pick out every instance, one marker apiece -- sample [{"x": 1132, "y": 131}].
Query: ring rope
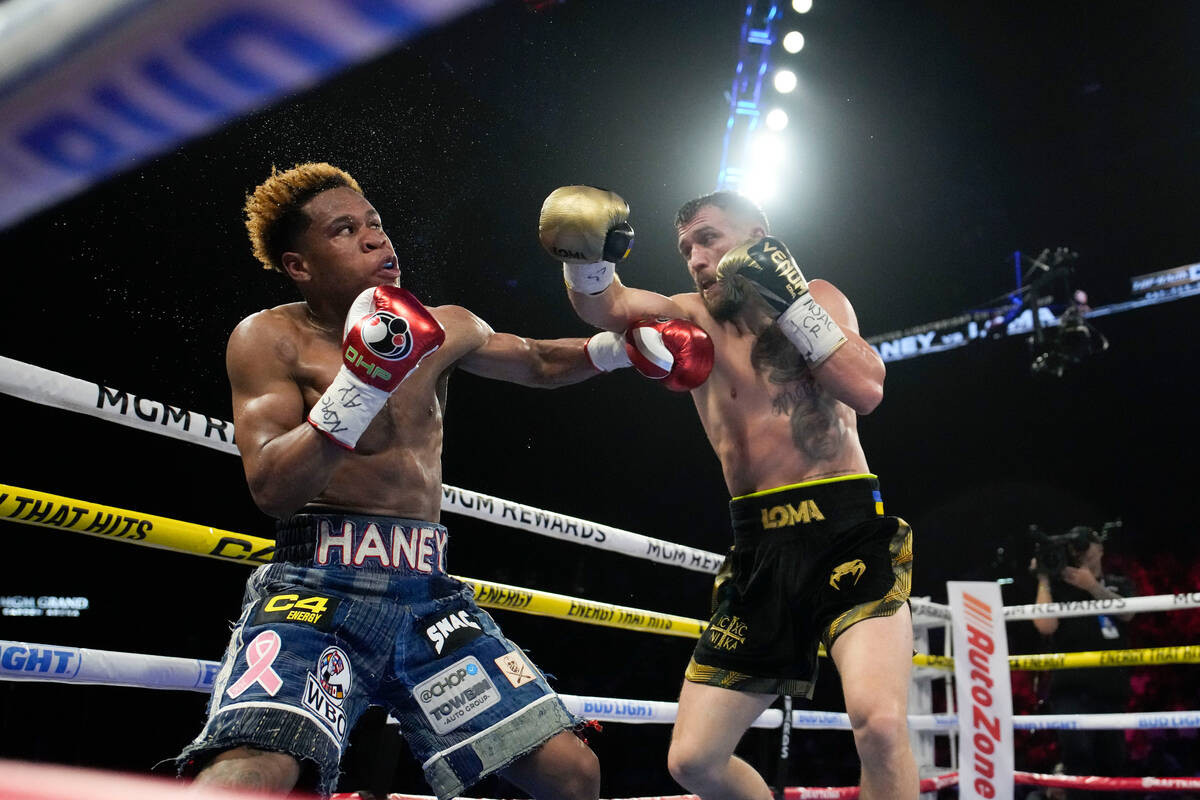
[
  {"x": 1037, "y": 662},
  {"x": 45, "y": 387},
  {"x": 1121, "y": 605},
  {"x": 32, "y": 507},
  {"x": 25, "y": 661},
  {"x": 54, "y": 511}
]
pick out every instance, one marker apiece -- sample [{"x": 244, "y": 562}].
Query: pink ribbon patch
[{"x": 260, "y": 655}]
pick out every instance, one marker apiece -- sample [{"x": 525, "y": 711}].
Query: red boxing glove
[
  {"x": 675, "y": 351},
  {"x": 387, "y": 333}
]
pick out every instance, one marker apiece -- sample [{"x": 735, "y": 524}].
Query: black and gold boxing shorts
[{"x": 808, "y": 561}]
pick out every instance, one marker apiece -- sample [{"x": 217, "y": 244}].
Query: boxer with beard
[{"x": 814, "y": 559}]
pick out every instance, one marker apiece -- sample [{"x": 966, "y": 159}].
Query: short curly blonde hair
[{"x": 274, "y": 211}]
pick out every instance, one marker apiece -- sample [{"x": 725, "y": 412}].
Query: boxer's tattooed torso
[{"x": 817, "y": 430}]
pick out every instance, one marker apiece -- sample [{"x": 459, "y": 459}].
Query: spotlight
[
  {"x": 802, "y": 6},
  {"x": 793, "y": 42},
  {"x": 785, "y": 81},
  {"x": 760, "y": 185},
  {"x": 766, "y": 151},
  {"x": 777, "y": 119}
]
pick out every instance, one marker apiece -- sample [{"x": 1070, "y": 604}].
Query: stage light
[
  {"x": 760, "y": 186},
  {"x": 777, "y": 119},
  {"x": 802, "y": 6},
  {"x": 793, "y": 41},
  {"x": 785, "y": 81},
  {"x": 766, "y": 151}
]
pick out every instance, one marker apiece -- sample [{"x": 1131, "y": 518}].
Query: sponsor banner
[
  {"x": 455, "y": 695},
  {"x": 498, "y": 595},
  {"x": 1120, "y": 605},
  {"x": 984, "y": 691},
  {"x": 1156, "y": 720},
  {"x": 43, "y": 606},
  {"x": 54, "y": 389},
  {"x": 1165, "y": 280},
  {"x": 1183, "y": 654},
  {"x": 85, "y": 95},
  {"x": 997, "y": 323},
  {"x": 25, "y": 661},
  {"x": 48, "y": 388},
  {"x": 31, "y": 507},
  {"x": 43, "y": 662},
  {"x": 561, "y": 526}
]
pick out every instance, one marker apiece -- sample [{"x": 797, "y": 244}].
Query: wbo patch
[
  {"x": 516, "y": 669},
  {"x": 455, "y": 695},
  {"x": 449, "y": 631},
  {"x": 307, "y": 608}
]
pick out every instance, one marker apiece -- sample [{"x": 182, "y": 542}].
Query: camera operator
[{"x": 1070, "y": 570}]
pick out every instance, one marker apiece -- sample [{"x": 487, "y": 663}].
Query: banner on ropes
[
  {"x": 90, "y": 88},
  {"x": 983, "y": 690}
]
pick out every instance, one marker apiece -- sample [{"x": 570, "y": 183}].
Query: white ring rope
[
  {"x": 1119, "y": 605},
  {"x": 24, "y": 661},
  {"x": 45, "y": 387}
]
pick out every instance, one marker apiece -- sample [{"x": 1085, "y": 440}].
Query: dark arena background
[{"x": 937, "y": 154}]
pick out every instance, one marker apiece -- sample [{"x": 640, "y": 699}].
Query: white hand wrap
[
  {"x": 346, "y": 408},
  {"x": 808, "y": 326},
  {"x": 589, "y": 278},
  {"x": 606, "y": 351}
]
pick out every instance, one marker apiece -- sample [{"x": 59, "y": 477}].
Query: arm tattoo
[{"x": 817, "y": 430}]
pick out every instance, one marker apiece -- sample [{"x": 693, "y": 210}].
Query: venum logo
[
  {"x": 856, "y": 568},
  {"x": 387, "y": 335}
]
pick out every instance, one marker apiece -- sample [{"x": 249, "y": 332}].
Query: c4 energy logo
[
  {"x": 727, "y": 633},
  {"x": 786, "y": 515},
  {"x": 313, "y": 609},
  {"x": 856, "y": 568}
]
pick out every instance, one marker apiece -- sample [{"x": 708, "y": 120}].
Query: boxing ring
[{"x": 933, "y": 674}]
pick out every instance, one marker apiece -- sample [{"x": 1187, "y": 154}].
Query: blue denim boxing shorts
[{"x": 358, "y": 611}]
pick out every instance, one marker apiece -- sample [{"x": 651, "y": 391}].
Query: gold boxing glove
[
  {"x": 588, "y": 230},
  {"x": 768, "y": 266}
]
